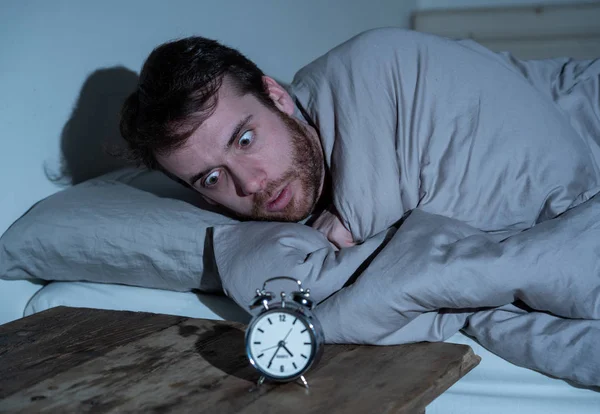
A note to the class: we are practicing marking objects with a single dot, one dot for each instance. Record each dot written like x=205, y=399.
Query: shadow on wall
x=93, y=128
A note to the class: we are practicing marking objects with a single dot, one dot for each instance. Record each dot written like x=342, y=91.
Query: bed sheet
x=494, y=386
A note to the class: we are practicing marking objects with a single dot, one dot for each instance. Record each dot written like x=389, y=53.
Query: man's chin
x=279, y=216
x=292, y=215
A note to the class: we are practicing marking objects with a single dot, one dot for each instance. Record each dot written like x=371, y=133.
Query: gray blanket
x=469, y=178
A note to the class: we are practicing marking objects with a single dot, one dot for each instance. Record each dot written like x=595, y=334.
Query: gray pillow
x=130, y=227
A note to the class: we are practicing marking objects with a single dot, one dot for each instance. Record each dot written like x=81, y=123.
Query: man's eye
x=246, y=139
x=212, y=179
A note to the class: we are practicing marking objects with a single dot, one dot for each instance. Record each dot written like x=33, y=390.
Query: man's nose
x=249, y=180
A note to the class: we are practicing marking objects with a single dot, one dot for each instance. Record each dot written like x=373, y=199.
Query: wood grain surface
x=85, y=360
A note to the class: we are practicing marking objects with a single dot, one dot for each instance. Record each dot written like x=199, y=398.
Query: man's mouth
x=280, y=200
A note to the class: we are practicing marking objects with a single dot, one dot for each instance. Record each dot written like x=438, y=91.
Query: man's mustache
x=261, y=199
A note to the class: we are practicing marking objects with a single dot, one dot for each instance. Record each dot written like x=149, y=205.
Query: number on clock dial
x=275, y=329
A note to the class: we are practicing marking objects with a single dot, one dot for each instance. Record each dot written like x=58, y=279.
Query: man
x=210, y=118
x=387, y=122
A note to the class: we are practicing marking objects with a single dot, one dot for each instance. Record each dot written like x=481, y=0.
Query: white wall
x=454, y=4
x=49, y=49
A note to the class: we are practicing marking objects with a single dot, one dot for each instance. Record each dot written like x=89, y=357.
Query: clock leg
x=258, y=384
x=304, y=381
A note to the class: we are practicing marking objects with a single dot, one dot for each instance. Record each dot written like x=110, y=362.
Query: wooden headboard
x=532, y=32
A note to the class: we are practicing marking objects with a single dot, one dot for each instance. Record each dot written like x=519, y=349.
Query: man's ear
x=282, y=99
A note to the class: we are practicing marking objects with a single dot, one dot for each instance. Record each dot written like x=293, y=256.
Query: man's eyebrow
x=236, y=131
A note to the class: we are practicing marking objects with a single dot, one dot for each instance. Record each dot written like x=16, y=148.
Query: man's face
x=256, y=161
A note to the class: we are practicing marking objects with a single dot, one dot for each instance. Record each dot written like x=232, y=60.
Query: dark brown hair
x=177, y=91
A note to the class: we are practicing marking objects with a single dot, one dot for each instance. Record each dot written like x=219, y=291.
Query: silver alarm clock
x=284, y=338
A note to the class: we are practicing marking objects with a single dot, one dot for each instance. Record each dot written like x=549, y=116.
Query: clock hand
x=271, y=347
x=274, y=353
x=287, y=350
x=288, y=334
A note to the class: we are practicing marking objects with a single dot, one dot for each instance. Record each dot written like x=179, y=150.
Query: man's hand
x=331, y=226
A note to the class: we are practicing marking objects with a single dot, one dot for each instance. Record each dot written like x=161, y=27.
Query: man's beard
x=307, y=166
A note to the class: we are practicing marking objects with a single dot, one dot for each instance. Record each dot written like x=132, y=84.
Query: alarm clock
x=284, y=338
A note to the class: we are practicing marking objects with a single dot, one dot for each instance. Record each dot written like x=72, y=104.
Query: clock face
x=281, y=344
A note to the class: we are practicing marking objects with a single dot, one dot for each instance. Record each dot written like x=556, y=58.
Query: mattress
x=137, y=299
x=494, y=386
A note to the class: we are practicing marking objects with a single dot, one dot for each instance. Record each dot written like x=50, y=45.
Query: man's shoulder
x=366, y=50
x=376, y=38
x=384, y=36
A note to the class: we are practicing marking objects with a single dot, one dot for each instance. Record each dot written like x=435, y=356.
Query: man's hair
x=177, y=91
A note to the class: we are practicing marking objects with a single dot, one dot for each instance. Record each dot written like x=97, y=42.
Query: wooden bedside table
x=87, y=360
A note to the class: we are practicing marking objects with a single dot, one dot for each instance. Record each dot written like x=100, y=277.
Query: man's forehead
x=230, y=108
x=209, y=139
x=216, y=130
x=206, y=145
